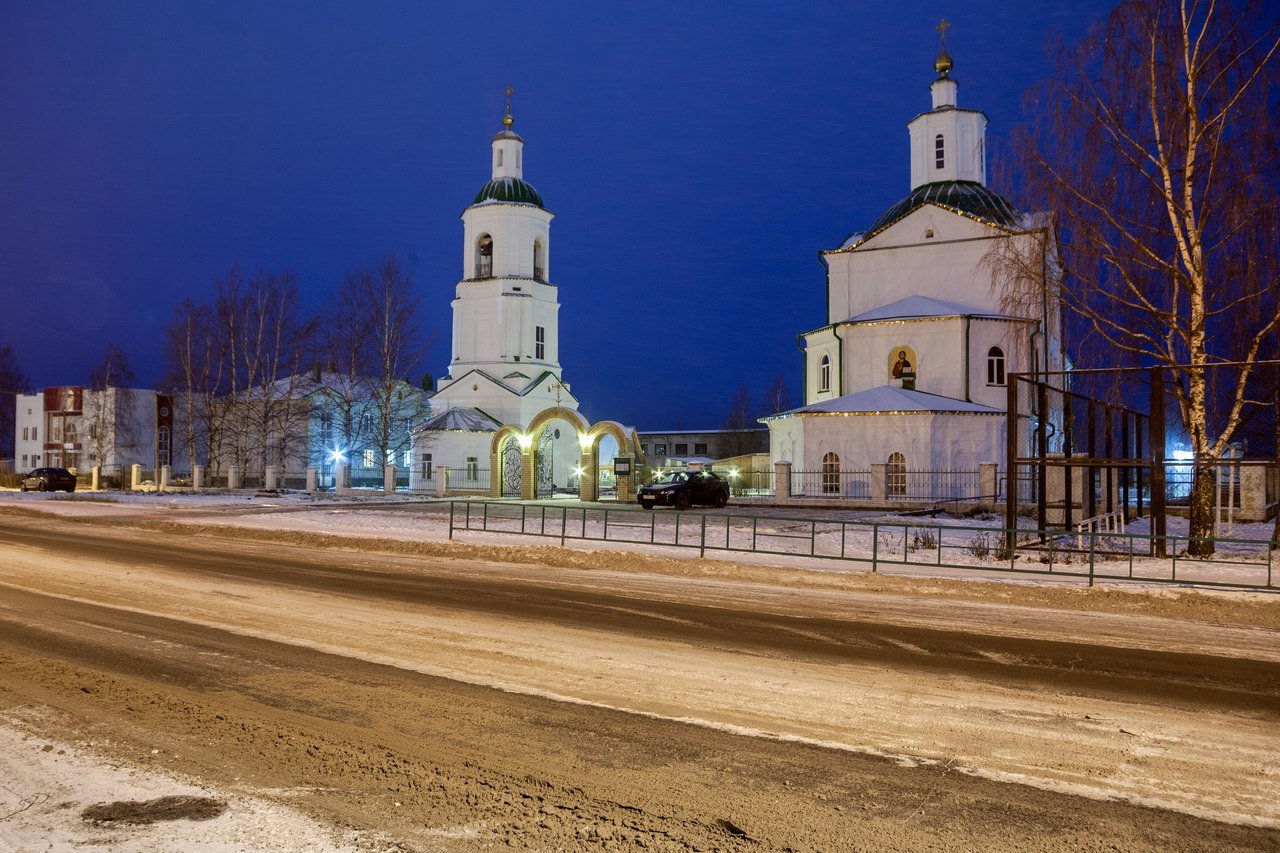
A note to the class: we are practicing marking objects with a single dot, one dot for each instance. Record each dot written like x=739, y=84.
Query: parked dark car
x=49, y=480
x=682, y=489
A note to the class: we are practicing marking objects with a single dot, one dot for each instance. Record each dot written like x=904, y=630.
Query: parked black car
x=49, y=480
x=682, y=489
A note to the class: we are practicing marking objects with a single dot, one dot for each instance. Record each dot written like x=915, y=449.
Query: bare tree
x=738, y=421
x=13, y=381
x=1154, y=148
x=777, y=398
x=197, y=362
x=369, y=354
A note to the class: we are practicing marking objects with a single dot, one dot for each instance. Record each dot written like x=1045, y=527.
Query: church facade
x=909, y=370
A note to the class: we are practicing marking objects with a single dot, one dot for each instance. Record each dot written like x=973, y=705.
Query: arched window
x=484, y=256
x=163, y=446
x=539, y=263
x=895, y=485
x=830, y=474
x=69, y=433
x=824, y=374
x=995, y=366
x=939, y=152
x=499, y=157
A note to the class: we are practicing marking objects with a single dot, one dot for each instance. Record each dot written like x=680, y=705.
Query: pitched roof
x=922, y=306
x=890, y=400
x=461, y=419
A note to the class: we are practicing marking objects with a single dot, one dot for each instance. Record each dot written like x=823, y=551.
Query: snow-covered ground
x=826, y=540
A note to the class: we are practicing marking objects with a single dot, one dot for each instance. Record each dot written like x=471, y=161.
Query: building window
x=426, y=465
x=644, y=449
x=896, y=476
x=162, y=445
x=35, y=437
x=682, y=450
x=473, y=468
x=539, y=342
x=499, y=156
x=25, y=436
x=659, y=450
x=539, y=263
x=824, y=374
x=830, y=474
x=700, y=450
x=484, y=256
x=370, y=458
x=24, y=460
x=407, y=458
x=939, y=152
x=995, y=366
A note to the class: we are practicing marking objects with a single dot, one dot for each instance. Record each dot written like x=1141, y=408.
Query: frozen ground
x=815, y=539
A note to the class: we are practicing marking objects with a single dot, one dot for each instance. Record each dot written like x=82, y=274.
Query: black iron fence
x=1088, y=556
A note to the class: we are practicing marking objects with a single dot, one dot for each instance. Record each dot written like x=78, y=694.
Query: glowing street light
x=337, y=455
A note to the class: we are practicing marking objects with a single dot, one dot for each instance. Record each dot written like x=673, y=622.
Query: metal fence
x=1087, y=556
x=468, y=478
x=850, y=485
x=932, y=485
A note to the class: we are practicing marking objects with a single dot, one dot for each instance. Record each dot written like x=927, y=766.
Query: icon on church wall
x=902, y=367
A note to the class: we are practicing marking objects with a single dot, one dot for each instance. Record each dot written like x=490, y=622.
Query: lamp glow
x=525, y=440
x=337, y=455
x=584, y=440
x=578, y=472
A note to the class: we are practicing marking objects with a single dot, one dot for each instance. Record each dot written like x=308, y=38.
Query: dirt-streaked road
x=362, y=686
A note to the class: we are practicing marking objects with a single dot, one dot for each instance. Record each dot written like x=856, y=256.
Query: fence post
x=269, y=476
x=162, y=479
x=313, y=476
x=987, y=472
x=442, y=482
x=702, y=547
x=388, y=479
x=879, y=480
x=875, y=547
x=564, y=523
x=451, y=503
x=782, y=481
x=1093, y=539
x=95, y=477
x=135, y=476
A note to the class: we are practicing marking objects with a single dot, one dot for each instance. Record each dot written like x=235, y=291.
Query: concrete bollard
x=339, y=477
x=271, y=477
x=197, y=477
x=135, y=476
x=233, y=477
x=388, y=479
x=95, y=477
x=165, y=473
x=782, y=480
x=312, y=479
x=441, y=482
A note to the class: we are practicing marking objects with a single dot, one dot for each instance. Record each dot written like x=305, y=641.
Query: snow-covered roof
x=461, y=419
x=888, y=399
x=922, y=306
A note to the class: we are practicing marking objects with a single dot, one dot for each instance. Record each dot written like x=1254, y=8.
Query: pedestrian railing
x=1102, y=556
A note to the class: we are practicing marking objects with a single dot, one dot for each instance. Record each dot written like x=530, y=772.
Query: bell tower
x=505, y=309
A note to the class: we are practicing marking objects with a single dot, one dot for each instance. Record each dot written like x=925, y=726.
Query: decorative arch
x=589, y=436
x=995, y=366
x=505, y=433
x=824, y=373
x=628, y=442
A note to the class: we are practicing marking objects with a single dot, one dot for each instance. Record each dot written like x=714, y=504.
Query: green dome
x=968, y=198
x=510, y=190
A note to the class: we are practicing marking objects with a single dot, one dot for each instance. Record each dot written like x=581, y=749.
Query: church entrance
x=546, y=459
x=510, y=457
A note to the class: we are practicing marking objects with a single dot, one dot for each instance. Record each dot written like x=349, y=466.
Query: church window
x=499, y=157
x=426, y=466
x=830, y=474
x=896, y=476
x=928, y=233
x=473, y=468
x=163, y=445
x=995, y=366
x=539, y=264
x=518, y=158
x=824, y=374
x=484, y=256
x=539, y=342
x=939, y=152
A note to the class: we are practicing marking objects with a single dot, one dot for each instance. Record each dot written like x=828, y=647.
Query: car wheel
x=722, y=498
x=44, y=485
x=682, y=501
x=70, y=489
x=22, y=487
x=646, y=505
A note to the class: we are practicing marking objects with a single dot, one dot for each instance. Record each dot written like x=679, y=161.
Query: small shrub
x=979, y=546
x=923, y=540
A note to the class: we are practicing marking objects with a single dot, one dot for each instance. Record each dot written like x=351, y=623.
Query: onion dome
x=509, y=190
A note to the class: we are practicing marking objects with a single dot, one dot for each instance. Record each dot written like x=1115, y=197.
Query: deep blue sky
x=697, y=155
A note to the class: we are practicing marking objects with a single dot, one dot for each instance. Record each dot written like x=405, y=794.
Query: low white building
x=909, y=370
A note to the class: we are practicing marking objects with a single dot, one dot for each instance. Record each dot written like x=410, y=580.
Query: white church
x=909, y=369
x=504, y=420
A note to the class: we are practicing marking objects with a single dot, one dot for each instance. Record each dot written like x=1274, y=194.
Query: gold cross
x=509, y=91
x=942, y=28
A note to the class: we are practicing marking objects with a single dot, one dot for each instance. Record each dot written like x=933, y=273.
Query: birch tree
x=13, y=381
x=1155, y=150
